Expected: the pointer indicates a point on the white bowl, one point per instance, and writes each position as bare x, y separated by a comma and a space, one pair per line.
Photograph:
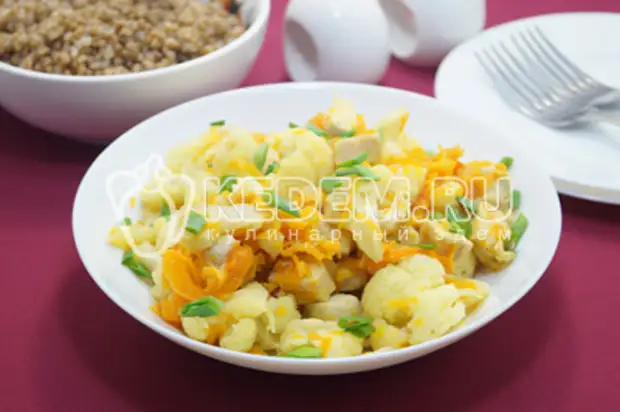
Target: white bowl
271, 108
101, 108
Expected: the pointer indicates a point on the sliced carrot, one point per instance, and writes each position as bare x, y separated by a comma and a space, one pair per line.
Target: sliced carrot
170, 308
239, 266
179, 271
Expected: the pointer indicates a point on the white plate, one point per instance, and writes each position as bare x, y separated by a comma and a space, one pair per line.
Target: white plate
271, 108
582, 163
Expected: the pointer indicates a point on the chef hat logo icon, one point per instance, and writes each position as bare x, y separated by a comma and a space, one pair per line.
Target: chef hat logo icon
152, 180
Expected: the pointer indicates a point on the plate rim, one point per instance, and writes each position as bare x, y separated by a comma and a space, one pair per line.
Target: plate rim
333, 366
564, 186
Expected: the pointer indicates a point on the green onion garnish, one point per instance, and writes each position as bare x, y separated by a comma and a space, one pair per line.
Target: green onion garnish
165, 210
202, 308
271, 168
426, 246
195, 223
467, 203
260, 157
227, 182
517, 230
305, 352
507, 161
329, 185
436, 216
127, 221
360, 326
516, 199
457, 224
280, 203
218, 123
292, 125
359, 159
314, 129
430, 152
350, 133
132, 263
357, 170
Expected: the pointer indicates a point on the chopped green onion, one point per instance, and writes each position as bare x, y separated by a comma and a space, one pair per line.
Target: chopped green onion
127, 256
227, 182
516, 199
218, 123
507, 161
292, 125
467, 203
366, 172
457, 224
165, 210
358, 170
426, 246
271, 168
360, 326
430, 152
132, 263
437, 216
195, 223
517, 230
305, 352
355, 161
281, 203
127, 221
260, 157
350, 133
329, 185
314, 129
202, 308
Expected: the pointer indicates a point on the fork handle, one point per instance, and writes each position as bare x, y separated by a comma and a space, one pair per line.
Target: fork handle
595, 115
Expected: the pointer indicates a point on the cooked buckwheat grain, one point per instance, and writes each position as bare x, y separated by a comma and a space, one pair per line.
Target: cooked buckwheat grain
103, 37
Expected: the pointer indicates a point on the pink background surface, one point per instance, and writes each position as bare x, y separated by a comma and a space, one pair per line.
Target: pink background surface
66, 347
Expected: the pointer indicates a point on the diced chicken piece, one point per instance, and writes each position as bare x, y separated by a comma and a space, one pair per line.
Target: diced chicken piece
341, 117
436, 232
347, 149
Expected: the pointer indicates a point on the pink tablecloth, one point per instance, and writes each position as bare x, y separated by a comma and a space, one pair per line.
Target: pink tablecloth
66, 347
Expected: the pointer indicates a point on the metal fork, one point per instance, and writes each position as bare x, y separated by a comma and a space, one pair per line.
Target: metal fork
535, 79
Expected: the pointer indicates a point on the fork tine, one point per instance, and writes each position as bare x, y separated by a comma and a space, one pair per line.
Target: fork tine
536, 61
539, 89
520, 76
567, 64
511, 93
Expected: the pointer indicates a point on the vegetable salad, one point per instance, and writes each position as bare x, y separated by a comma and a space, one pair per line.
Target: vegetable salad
330, 239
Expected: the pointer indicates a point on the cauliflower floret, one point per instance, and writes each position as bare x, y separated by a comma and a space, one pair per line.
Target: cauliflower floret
236, 217
490, 229
137, 232
389, 295
436, 312
337, 306
387, 336
266, 339
234, 153
240, 336
392, 292
281, 311
472, 291
322, 334
208, 329
426, 272
308, 282
249, 302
